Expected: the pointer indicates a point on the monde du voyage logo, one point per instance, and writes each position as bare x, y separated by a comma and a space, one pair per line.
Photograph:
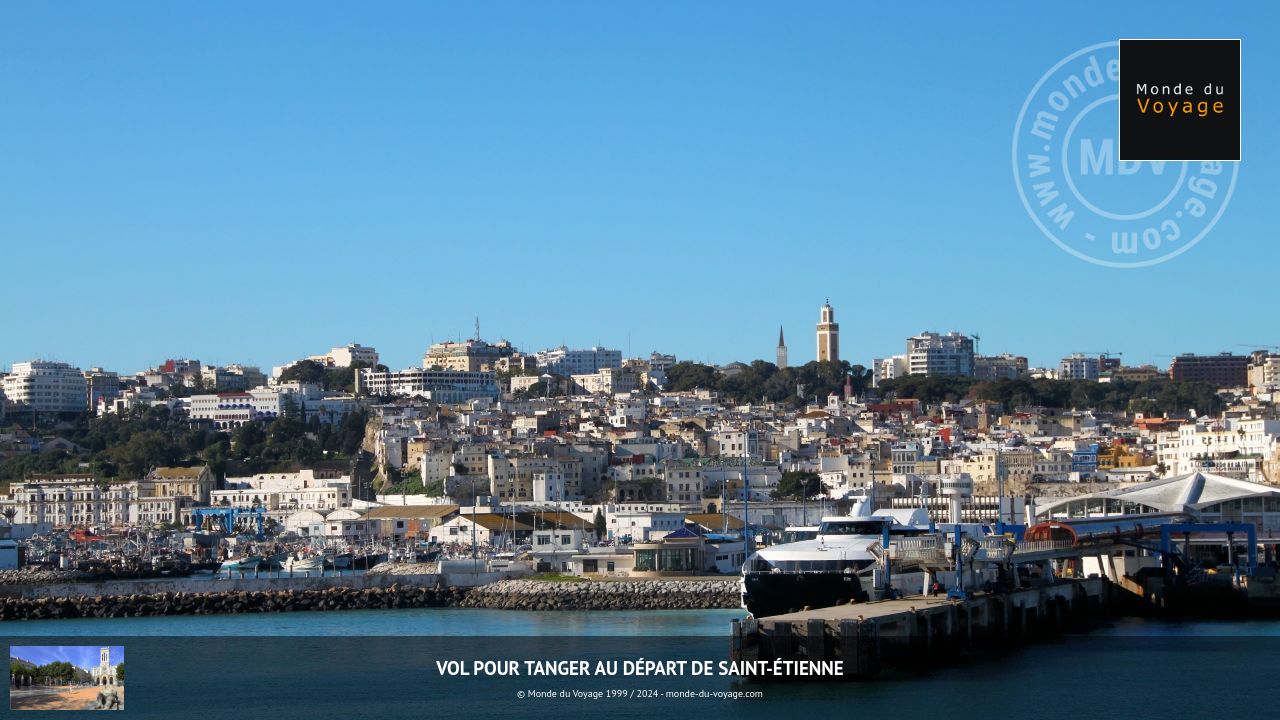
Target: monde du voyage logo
1116, 177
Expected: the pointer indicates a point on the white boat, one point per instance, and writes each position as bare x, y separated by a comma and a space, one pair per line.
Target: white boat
828, 569
246, 564
304, 563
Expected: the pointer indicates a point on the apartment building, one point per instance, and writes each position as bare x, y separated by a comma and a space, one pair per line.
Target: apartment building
444, 386
930, 353
564, 361
46, 386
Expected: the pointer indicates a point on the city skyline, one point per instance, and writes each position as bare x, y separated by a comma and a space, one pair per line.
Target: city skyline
178, 178
1161, 361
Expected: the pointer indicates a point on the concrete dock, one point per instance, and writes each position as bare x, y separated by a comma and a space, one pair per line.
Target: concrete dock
916, 631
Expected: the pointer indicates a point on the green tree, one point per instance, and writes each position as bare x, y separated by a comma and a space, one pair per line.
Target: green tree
306, 371
686, 376
601, 527
799, 485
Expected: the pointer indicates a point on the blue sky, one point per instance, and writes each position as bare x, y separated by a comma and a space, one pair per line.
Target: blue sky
83, 656
247, 182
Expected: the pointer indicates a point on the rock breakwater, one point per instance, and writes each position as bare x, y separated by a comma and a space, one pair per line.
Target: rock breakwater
527, 595
211, 603
691, 594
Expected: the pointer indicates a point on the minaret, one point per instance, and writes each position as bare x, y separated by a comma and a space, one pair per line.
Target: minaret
828, 335
782, 350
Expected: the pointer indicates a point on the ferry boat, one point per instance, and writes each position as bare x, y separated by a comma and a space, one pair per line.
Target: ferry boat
796, 533
828, 569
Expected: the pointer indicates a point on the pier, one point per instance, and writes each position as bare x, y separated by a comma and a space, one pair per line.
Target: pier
914, 632
1059, 575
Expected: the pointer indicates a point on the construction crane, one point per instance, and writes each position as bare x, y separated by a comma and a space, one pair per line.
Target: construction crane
1259, 346
1100, 353
977, 340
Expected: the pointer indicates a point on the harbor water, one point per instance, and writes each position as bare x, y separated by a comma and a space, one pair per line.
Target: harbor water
382, 663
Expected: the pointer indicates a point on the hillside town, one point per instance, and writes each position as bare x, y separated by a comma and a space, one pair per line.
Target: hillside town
593, 463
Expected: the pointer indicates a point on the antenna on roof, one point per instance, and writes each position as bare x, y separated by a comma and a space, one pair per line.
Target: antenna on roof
477, 328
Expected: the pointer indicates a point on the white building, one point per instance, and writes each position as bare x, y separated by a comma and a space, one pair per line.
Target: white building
45, 386
337, 357
69, 500
638, 524
346, 525
1264, 372
605, 381
302, 490
444, 386
1227, 446
889, 368
348, 355
1077, 366
932, 354
229, 410
564, 361
548, 486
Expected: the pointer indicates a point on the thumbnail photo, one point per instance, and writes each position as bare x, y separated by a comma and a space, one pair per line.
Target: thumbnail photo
66, 677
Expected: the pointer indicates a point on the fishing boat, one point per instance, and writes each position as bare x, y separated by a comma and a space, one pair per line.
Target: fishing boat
276, 560
171, 564
340, 561
246, 564
366, 560
302, 563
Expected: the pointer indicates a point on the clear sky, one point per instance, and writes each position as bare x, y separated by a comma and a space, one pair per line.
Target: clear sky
83, 656
254, 182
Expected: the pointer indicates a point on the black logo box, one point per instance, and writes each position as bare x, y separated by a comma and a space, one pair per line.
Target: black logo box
1186, 68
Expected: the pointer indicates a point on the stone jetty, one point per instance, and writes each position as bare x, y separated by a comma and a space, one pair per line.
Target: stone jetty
683, 594
35, 576
211, 603
673, 594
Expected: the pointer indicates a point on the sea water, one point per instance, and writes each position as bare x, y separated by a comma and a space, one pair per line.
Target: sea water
386, 663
